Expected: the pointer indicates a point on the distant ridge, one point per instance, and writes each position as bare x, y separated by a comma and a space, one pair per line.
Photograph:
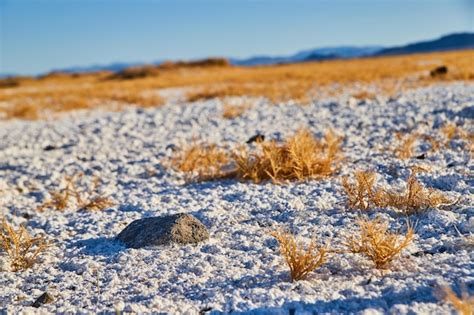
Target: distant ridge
449, 42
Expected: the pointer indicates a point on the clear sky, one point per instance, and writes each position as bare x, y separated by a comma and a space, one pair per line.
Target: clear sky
40, 35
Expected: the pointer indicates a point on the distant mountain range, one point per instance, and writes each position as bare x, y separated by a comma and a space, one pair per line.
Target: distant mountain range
455, 41
448, 42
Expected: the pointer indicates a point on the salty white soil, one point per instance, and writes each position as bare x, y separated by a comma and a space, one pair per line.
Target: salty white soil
239, 268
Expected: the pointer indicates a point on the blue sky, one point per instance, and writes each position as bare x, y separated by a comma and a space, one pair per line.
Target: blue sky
40, 35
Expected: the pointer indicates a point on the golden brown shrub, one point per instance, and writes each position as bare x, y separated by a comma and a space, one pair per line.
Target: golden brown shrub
88, 200
300, 157
377, 243
362, 194
201, 161
300, 261
464, 305
22, 249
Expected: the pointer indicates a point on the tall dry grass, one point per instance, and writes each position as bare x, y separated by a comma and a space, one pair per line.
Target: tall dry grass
362, 193
301, 156
301, 261
378, 244
22, 249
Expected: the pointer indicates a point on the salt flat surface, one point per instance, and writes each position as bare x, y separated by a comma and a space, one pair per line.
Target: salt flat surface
239, 268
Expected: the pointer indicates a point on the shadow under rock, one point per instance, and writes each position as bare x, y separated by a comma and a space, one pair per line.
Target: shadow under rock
100, 246
387, 300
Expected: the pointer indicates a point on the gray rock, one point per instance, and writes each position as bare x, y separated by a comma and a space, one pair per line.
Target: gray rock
44, 298
178, 228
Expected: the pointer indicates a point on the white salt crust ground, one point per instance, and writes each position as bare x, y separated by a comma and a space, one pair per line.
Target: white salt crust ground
239, 268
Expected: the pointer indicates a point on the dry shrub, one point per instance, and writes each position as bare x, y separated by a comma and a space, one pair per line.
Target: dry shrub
452, 131
464, 305
25, 111
201, 161
61, 198
135, 73
362, 194
301, 156
377, 243
90, 200
230, 111
300, 261
9, 82
203, 63
405, 149
364, 95
434, 143
22, 249
415, 197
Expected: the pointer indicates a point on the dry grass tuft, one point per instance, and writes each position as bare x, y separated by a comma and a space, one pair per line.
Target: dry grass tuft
90, 200
464, 305
201, 162
301, 156
364, 95
452, 131
300, 261
377, 243
27, 111
230, 111
405, 150
362, 194
22, 249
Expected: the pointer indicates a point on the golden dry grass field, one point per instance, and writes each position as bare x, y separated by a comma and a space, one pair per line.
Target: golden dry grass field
34, 98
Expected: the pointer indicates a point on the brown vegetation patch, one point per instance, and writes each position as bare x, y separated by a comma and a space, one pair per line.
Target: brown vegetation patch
300, 261
464, 304
201, 161
91, 199
377, 243
21, 248
362, 194
300, 157
231, 111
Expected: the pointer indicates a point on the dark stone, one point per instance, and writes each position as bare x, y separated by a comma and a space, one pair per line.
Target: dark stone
421, 156
44, 298
178, 228
49, 147
257, 138
205, 310
439, 71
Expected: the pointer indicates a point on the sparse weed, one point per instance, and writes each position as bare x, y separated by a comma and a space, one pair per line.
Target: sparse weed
363, 194
300, 261
87, 200
230, 111
21, 248
201, 162
364, 95
377, 243
464, 305
405, 149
